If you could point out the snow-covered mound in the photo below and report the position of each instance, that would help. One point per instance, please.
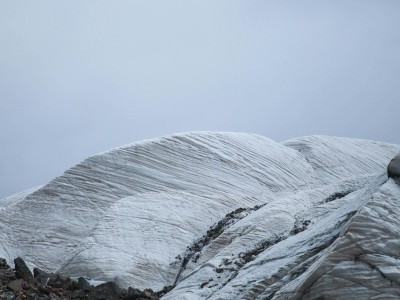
(220, 216)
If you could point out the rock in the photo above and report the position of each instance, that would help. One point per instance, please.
(7, 275)
(22, 271)
(394, 167)
(62, 282)
(3, 264)
(105, 291)
(83, 284)
(165, 290)
(43, 289)
(42, 277)
(7, 296)
(150, 294)
(136, 294)
(16, 285)
(133, 294)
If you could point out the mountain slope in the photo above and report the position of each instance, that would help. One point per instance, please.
(217, 215)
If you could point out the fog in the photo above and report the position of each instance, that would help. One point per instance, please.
(80, 77)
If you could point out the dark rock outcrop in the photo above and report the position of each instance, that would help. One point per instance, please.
(106, 291)
(83, 284)
(22, 271)
(394, 167)
(19, 283)
(43, 277)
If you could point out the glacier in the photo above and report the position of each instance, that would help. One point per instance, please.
(219, 215)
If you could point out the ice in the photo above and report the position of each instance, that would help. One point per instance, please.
(288, 218)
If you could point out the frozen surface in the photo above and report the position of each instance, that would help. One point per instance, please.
(14, 199)
(364, 262)
(221, 216)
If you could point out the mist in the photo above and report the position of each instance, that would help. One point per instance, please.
(80, 77)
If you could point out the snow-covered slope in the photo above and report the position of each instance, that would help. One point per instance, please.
(217, 215)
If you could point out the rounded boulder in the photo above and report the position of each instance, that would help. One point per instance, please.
(394, 167)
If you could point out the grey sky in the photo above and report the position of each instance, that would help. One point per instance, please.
(80, 77)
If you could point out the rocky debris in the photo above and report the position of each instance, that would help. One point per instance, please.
(20, 284)
(62, 282)
(300, 227)
(41, 276)
(17, 285)
(3, 264)
(251, 254)
(337, 196)
(394, 167)
(135, 294)
(193, 251)
(165, 290)
(106, 291)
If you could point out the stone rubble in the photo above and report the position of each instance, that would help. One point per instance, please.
(19, 283)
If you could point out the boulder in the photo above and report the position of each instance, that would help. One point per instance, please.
(394, 167)
(106, 291)
(83, 284)
(62, 282)
(150, 294)
(136, 294)
(133, 294)
(3, 264)
(42, 276)
(16, 285)
(22, 271)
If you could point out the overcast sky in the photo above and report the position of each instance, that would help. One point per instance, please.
(80, 77)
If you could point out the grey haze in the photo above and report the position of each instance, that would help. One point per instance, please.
(80, 77)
